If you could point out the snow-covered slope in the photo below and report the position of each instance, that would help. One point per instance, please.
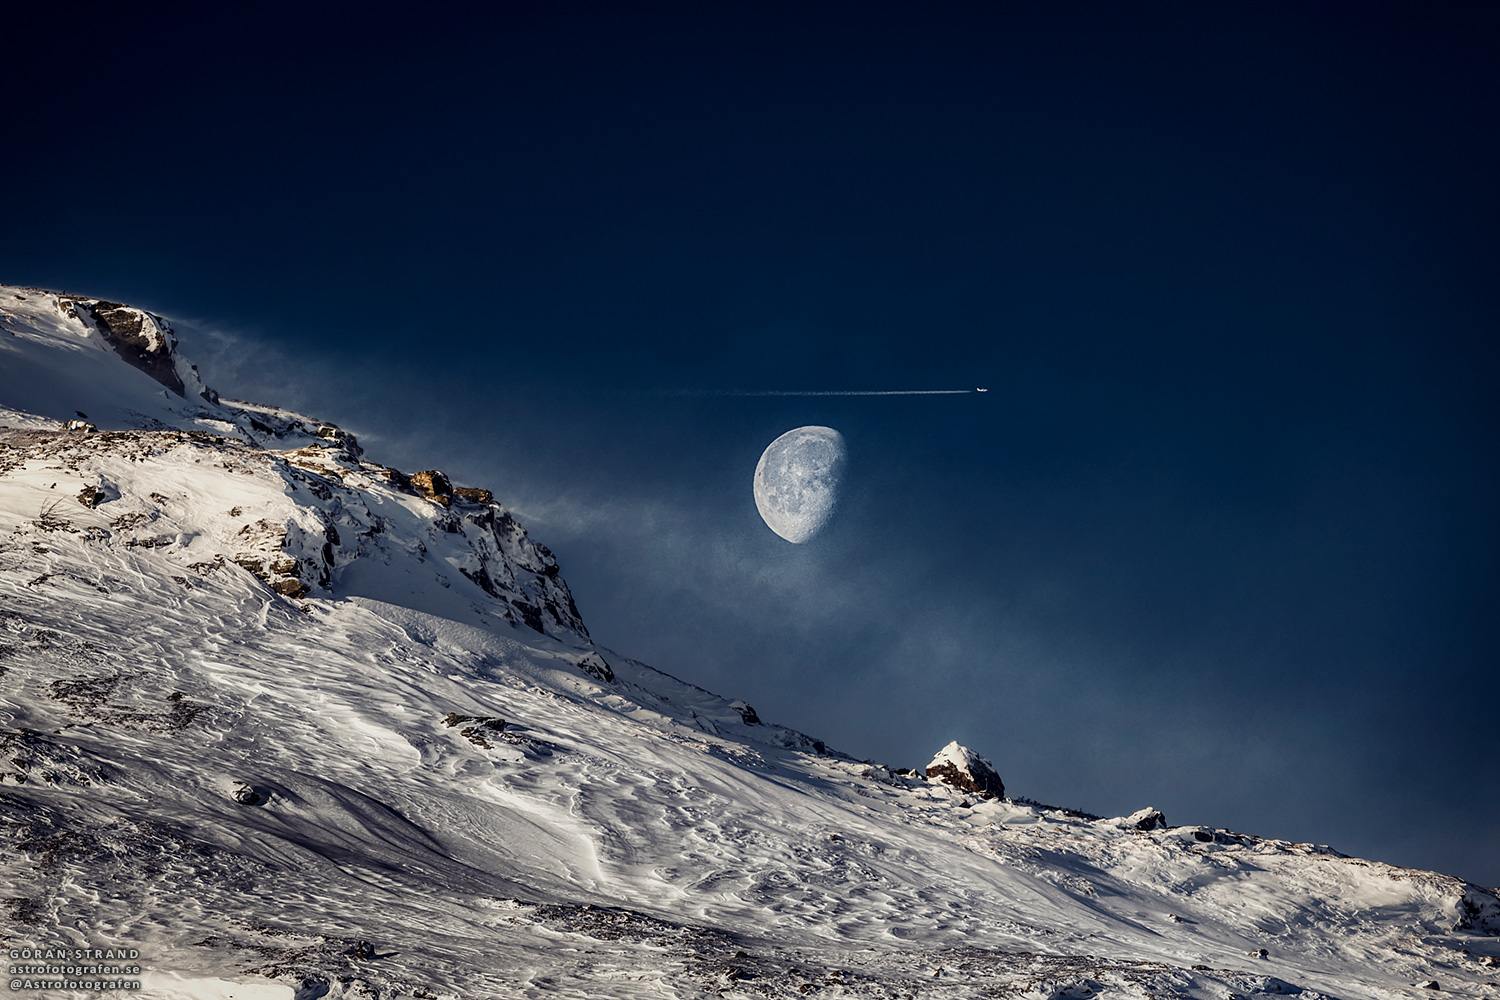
(291, 723)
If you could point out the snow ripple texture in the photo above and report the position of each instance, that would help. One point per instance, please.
(279, 722)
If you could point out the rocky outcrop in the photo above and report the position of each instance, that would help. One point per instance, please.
(482, 726)
(286, 557)
(247, 794)
(303, 515)
(597, 667)
(433, 485)
(506, 563)
(143, 340)
(438, 488)
(1146, 819)
(292, 433)
(965, 770)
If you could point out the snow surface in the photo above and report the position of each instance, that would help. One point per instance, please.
(391, 779)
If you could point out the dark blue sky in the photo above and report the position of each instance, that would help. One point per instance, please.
(1221, 538)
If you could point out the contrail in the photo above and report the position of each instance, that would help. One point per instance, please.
(825, 392)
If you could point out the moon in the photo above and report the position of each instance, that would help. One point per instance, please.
(797, 481)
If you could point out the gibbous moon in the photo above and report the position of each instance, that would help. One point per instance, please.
(797, 481)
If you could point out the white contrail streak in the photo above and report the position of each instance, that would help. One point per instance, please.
(825, 392)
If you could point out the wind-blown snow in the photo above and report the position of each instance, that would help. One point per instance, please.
(408, 771)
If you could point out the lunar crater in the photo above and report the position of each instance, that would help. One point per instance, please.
(797, 481)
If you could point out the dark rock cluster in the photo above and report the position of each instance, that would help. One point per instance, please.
(1147, 819)
(433, 485)
(967, 771)
(128, 332)
(438, 488)
(483, 725)
(596, 667)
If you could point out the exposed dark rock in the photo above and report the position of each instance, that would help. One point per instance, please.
(595, 666)
(492, 721)
(1146, 819)
(530, 614)
(101, 697)
(483, 725)
(550, 568)
(433, 485)
(85, 694)
(747, 713)
(473, 495)
(24, 911)
(967, 771)
(205, 568)
(290, 588)
(265, 558)
(140, 339)
(398, 479)
(247, 795)
(341, 443)
(481, 577)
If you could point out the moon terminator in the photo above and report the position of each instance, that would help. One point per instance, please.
(797, 481)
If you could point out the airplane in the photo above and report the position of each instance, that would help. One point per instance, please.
(981, 390)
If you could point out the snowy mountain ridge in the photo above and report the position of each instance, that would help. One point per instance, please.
(307, 506)
(295, 724)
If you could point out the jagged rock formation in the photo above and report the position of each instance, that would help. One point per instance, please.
(143, 339)
(1146, 819)
(433, 485)
(965, 770)
(302, 520)
(308, 509)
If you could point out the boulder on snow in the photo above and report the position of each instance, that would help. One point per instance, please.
(965, 770)
(433, 485)
(1146, 819)
(483, 725)
(142, 339)
(247, 794)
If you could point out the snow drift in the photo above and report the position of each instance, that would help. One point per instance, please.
(292, 723)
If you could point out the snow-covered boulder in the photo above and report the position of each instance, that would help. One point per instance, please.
(1148, 818)
(964, 769)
